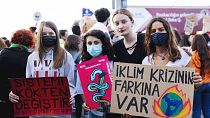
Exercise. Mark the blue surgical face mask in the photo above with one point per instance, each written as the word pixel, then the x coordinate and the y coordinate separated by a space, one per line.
pixel 94 50
pixel 160 39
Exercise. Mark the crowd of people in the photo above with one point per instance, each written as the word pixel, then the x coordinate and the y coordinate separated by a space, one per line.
pixel 160 45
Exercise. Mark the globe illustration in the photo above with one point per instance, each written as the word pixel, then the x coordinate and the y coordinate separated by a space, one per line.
pixel 171 104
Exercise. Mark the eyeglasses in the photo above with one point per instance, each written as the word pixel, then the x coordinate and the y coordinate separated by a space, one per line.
pixel 161 29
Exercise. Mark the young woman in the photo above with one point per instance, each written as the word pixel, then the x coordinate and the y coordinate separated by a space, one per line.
pixel 201 63
pixel 131 48
pixel 161 48
pixel 60 62
pixel 95 45
pixel 73 45
pixel 13 62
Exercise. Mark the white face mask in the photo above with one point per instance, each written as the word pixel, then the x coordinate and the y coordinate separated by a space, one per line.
pixel 208 43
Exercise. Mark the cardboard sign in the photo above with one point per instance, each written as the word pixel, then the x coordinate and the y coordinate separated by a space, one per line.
pixel 188 28
pixel 152 91
pixel 192 18
pixel 191 21
pixel 41 96
pixel 206 19
pixel 206 23
pixel 95 79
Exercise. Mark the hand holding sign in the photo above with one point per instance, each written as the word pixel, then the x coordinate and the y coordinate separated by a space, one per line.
pixel 71 100
pixel 86 108
pixel 95 79
pixel 13 98
pixel 197 79
pixel 152 91
pixel 40 96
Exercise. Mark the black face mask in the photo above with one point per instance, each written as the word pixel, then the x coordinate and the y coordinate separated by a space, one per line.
pixel 49 41
pixel 160 39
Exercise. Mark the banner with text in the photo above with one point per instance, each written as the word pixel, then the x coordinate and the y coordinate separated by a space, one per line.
pixel 176 16
pixel 95 79
pixel 41 96
pixel 152 91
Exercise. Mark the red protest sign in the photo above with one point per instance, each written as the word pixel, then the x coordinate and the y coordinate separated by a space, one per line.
pixel 41 96
pixel 95 79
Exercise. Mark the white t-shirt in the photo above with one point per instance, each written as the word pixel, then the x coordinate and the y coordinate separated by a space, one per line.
pixel 185 59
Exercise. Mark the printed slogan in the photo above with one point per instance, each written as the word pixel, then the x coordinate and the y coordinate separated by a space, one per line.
pixel 95 80
pixel 41 96
pixel 152 91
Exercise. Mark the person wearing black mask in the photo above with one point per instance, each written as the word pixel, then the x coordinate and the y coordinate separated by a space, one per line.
pixel 161 46
pixel 162 49
pixel 59 62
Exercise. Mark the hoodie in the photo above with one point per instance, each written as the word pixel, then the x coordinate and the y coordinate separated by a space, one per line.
pixel 37 69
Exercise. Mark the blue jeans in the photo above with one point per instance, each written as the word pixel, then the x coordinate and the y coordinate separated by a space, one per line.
pixel 92 115
pixel 201 103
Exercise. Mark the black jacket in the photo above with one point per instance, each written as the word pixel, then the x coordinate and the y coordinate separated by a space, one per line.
pixel 12 65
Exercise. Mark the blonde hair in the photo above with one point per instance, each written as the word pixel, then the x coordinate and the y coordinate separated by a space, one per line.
pixel 124 12
pixel 86 23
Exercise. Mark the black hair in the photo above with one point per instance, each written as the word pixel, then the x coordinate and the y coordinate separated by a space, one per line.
pixel 76 28
pixel 178 36
pixel 102 14
pixel 111 33
pixel 185 41
pixel 206 36
pixel 106 45
pixel 33 29
pixel 62 32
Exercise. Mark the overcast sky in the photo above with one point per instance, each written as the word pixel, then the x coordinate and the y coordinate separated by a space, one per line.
pixel 18 14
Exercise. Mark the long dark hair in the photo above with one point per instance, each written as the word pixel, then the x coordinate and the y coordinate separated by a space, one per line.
pixel 106 45
pixel 174 53
pixel 200 45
